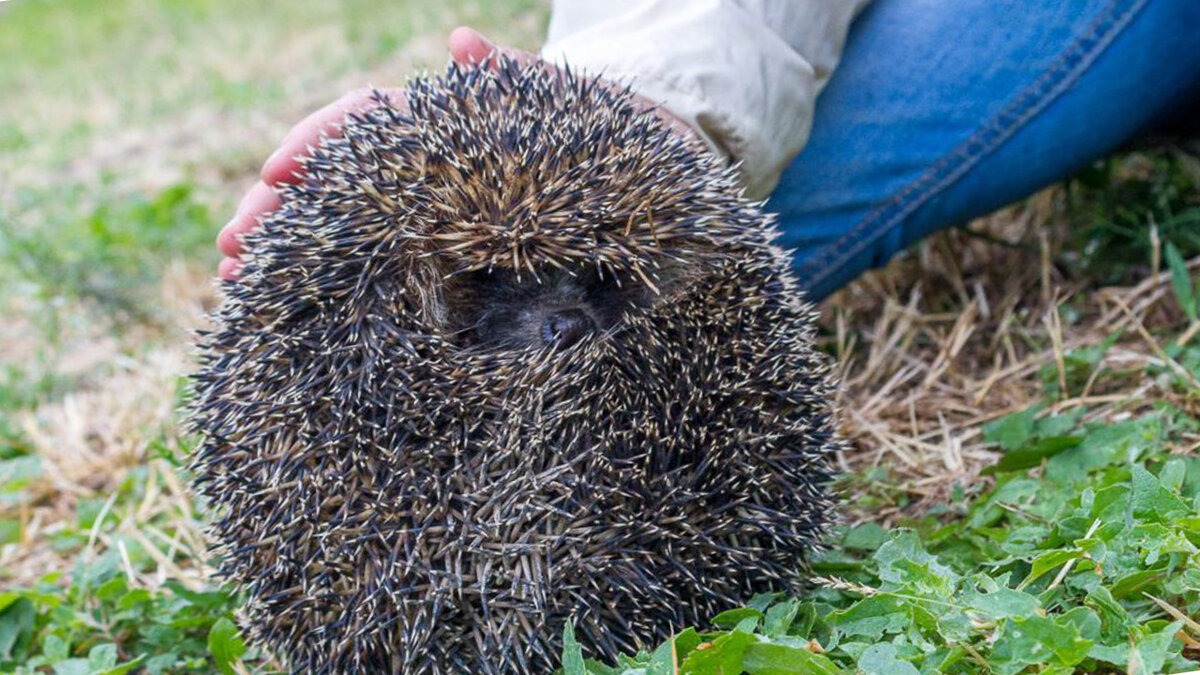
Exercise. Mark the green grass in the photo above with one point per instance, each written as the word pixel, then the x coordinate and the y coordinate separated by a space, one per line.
pixel 1120 205
pixel 111 257
pixel 1083 556
pixel 97 624
pixel 129 128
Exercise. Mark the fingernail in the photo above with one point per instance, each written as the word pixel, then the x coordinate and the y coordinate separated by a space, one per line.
pixel 230 268
pixel 275 157
pixel 227 241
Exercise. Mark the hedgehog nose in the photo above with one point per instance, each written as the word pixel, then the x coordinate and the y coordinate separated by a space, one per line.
pixel 565 327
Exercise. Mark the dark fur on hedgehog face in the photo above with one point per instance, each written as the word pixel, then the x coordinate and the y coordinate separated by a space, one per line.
pixel 556 308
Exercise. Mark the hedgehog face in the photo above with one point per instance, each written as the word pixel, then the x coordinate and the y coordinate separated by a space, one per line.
pixel 512 356
pixel 557 308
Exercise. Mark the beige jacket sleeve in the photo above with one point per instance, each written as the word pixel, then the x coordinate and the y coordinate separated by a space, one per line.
pixel 744 73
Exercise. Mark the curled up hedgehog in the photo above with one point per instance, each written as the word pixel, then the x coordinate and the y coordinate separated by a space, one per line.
pixel 510 356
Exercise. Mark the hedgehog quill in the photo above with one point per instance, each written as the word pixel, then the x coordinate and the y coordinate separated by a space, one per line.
pixel 510 356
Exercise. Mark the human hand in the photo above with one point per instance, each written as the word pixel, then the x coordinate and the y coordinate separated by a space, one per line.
pixel 283 166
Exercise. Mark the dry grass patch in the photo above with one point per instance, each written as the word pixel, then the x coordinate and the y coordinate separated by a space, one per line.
pixel 974 325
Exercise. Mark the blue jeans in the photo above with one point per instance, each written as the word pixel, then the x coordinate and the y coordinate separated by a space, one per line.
pixel 945 110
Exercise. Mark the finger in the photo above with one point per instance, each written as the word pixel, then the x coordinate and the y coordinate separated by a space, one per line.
pixel 229 268
pixel 468 46
pixel 282 166
pixel 261 199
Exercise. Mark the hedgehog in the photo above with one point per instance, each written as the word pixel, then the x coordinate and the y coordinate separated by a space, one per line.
pixel 511 354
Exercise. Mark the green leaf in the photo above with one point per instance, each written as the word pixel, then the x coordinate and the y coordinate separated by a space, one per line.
pixel 1031 455
pixel 865 537
pixel 722 658
pixel 685 642
pixel 16 472
pixel 1012 431
pixel 1173 474
pixel 55 648
pixel 662 660
pixel 123 668
pixel 10 531
pixel 73 667
pixel 761 601
pixel 881 659
pixel 134 598
pixel 732 617
pixel 1112 614
pixel 1151 649
pixel 1037 640
pixel 1152 500
pixel 111 589
pixel 1010 491
pixel 160 663
pixel 1104 445
pixel 1181 282
pixel 904 563
pixel 871 617
pixel 747 625
pixel 102 657
pixel 16 628
pixel 1050 560
pixel 572 653
pixel 1003 603
pixel 225 645
pixel 1129 584
pixel 779 618
pixel 1061 424
pixel 776 659
pixel 1085 620
pixel 102 660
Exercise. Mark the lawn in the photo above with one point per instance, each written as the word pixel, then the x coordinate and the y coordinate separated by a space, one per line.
pixel 1022 491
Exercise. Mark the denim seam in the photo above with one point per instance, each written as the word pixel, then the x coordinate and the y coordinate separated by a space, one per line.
pixel 1066 69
